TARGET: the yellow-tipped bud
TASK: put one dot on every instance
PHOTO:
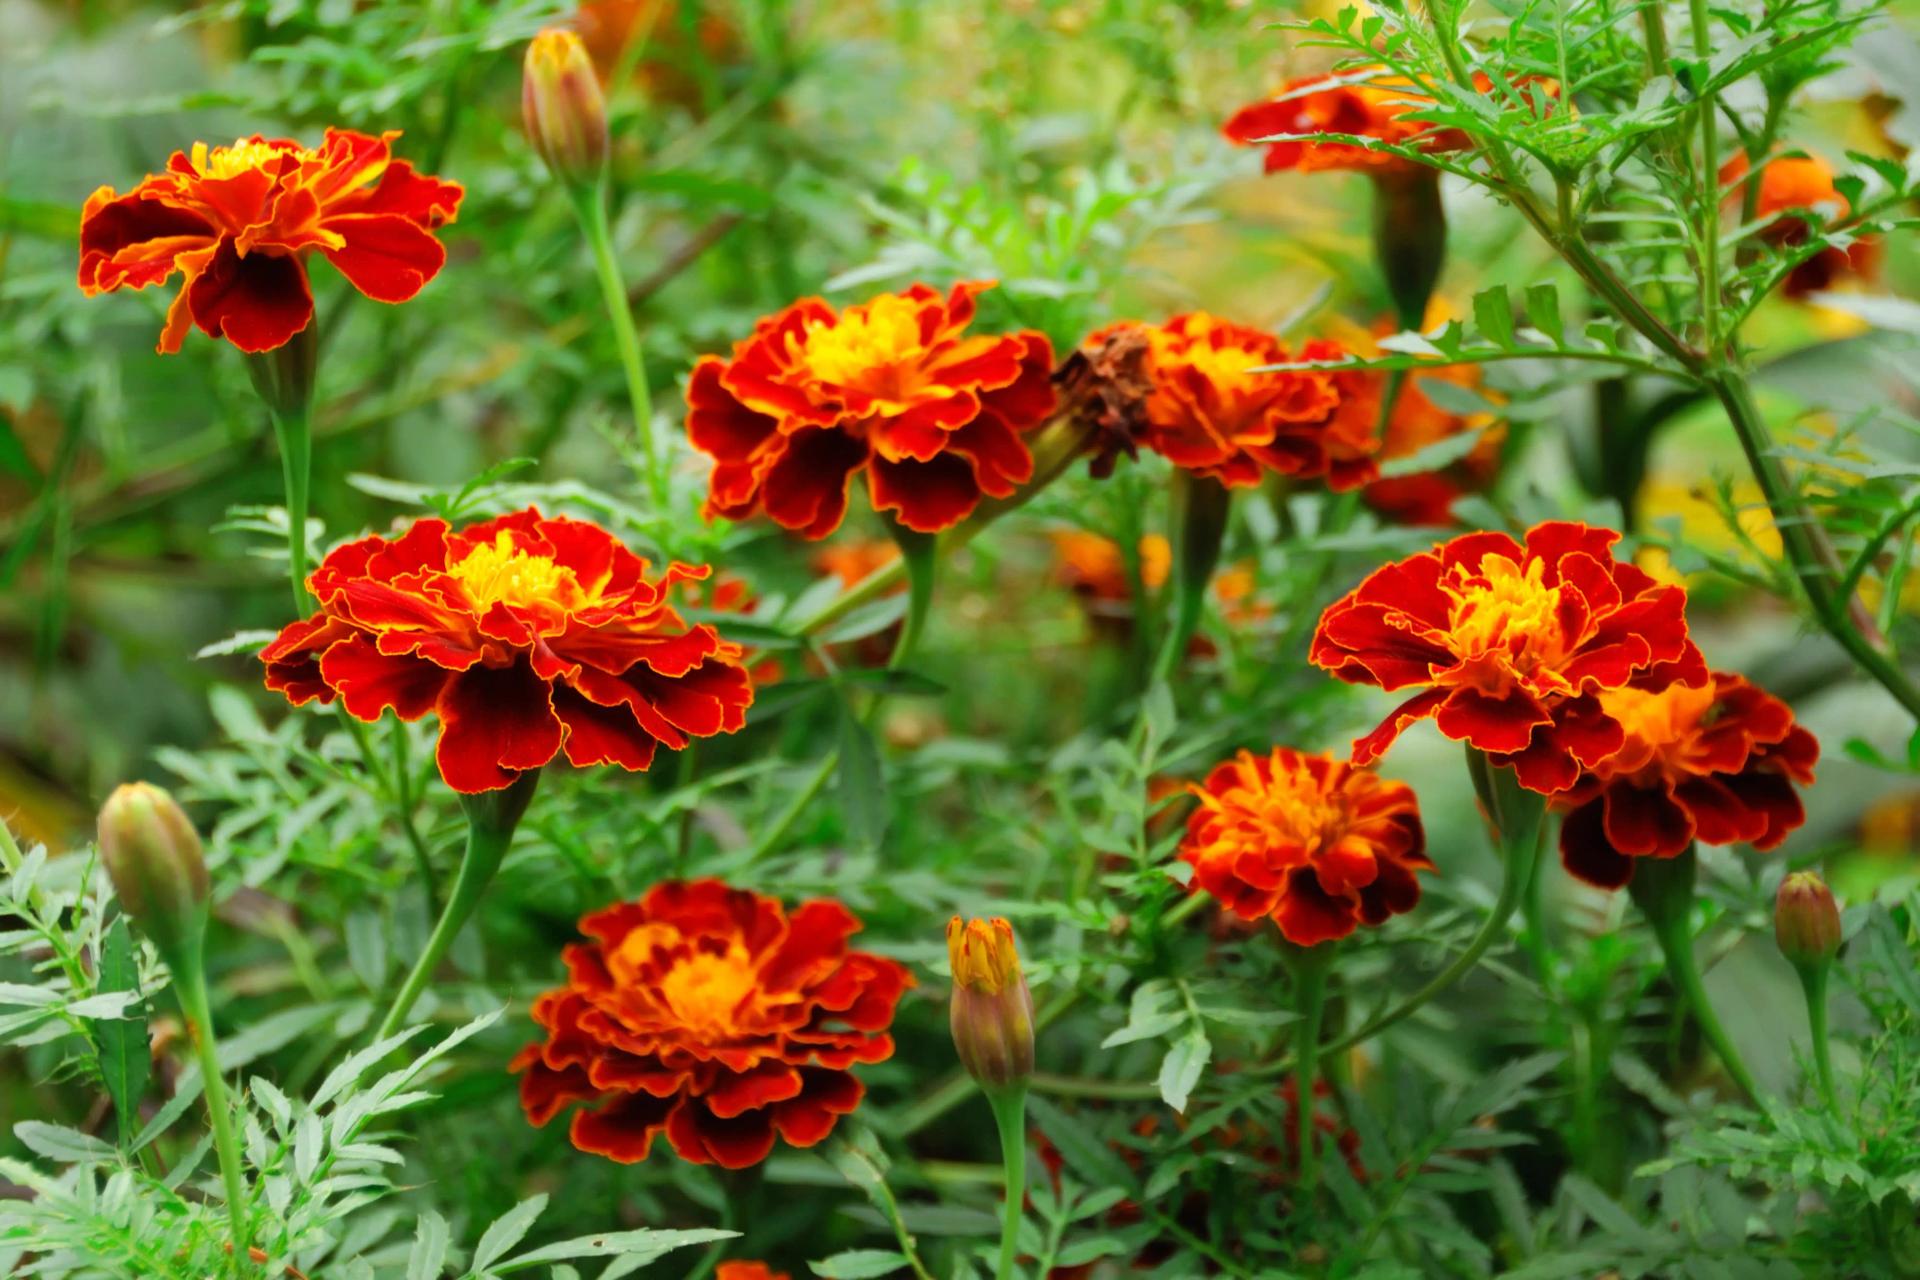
(992, 1011)
(563, 108)
(1806, 920)
(152, 855)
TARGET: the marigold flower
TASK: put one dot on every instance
(1311, 842)
(1715, 762)
(1369, 108)
(713, 1015)
(991, 1013)
(894, 387)
(1511, 646)
(527, 636)
(1789, 183)
(239, 222)
(1208, 411)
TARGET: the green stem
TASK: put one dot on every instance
(1813, 980)
(1010, 1118)
(590, 204)
(1709, 232)
(191, 987)
(491, 819)
(293, 428)
(771, 837)
(1310, 1000)
(920, 552)
(1663, 890)
(403, 808)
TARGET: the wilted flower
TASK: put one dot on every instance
(1715, 762)
(992, 1010)
(153, 856)
(711, 1015)
(1801, 183)
(239, 222)
(894, 387)
(1311, 842)
(1208, 410)
(526, 636)
(1806, 920)
(1511, 646)
(562, 108)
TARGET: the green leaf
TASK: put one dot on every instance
(125, 1059)
(57, 1142)
(1543, 311)
(1180, 1069)
(428, 1257)
(1493, 312)
(636, 1247)
(506, 1232)
(863, 785)
(859, 1264)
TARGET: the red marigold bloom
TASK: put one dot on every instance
(1208, 411)
(1511, 645)
(526, 635)
(894, 387)
(1374, 108)
(238, 224)
(713, 1015)
(1789, 183)
(1715, 762)
(1312, 842)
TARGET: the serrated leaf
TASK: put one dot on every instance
(507, 1231)
(1180, 1070)
(125, 1057)
(1493, 314)
(57, 1142)
(428, 1257)
(636, 1247)
(859, 1264)
(863, 785)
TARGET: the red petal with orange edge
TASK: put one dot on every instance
(1491, 723)
(544, 1091)
(369, 682)
(495, 723)
(602, 735)
(426, 201)
(806, 490)
(623, 1129)
(1371, 747)
(735, 1092)
(257, 303)
(927, 497)
(810, 1118)
(385, 257)
(701, 1137)
(1308, 915)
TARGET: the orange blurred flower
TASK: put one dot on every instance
(1716, 762)
(238, 223)
(608, 26)
(1311, 842)
(852, 559)
(526, 636)
(730, 593)
(1789, 183)
(747, 1271)
(894, 387)
(713, 1015)
(1092, 567)
(1206, 410)
(1368, 108)
(1511, 646)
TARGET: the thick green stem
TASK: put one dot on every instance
(1663, 890)
(1310, 1001)
(492, 817)
(920, 552)
(590, 204)
(190, 984)
(293, 427)
(1010, 1118)
(1709, 232)
(1201, 507)
(1813, 980)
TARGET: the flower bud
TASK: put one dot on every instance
(153, 857)
(563, 108)
(1806, 920)
(992, 1012)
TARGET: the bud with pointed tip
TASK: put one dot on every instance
(1806, 920)
(152, 855)
(563, 108)
(992, 1012)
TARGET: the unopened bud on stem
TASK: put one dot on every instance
(1806, 920)
(564, 110)
(992, 1012)
(152, 855)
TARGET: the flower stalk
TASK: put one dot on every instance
(1310, 965)
(284, 377)
(1201, 507)
(492, 818)
(1010, 1118)
(993, 1033)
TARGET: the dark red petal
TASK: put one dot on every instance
(828, 1095)
(926, 496)
(1585, 852)
(369, 682)
(701, 1137)
(602, 735)
(1309, 915)
(1491, 723)
(495, 723)
(257, 302)
(1643, 822)
(623, 1128)
(806, 490)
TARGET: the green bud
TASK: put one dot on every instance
(1806, 920)
(563, 108)
(992, 1010)
(153, 857)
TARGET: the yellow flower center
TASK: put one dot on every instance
(1293, 809)
(1661, 727)
(982, 954)
(1505, 609)
(706, 991)
(499, 571)
(1228, 368)
(875, 348)
(241, 157)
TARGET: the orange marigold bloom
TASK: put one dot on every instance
(1511, 645)
(238, 223)
(714, 1015)
(1715, 762)
(1367, 109)
(894, 387)
(1789, 183)
(1314, 843)
(527, 636)
(665, 70)
(747, 1271)
(1208, 411)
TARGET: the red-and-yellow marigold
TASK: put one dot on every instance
(1715, 762)
(237, 224)
(1511, 646)
(714, 1016)
(1363, 103)
(895, 387)
(527, 636)
(1315, 843)
(1797, 183)
(1209, 412)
